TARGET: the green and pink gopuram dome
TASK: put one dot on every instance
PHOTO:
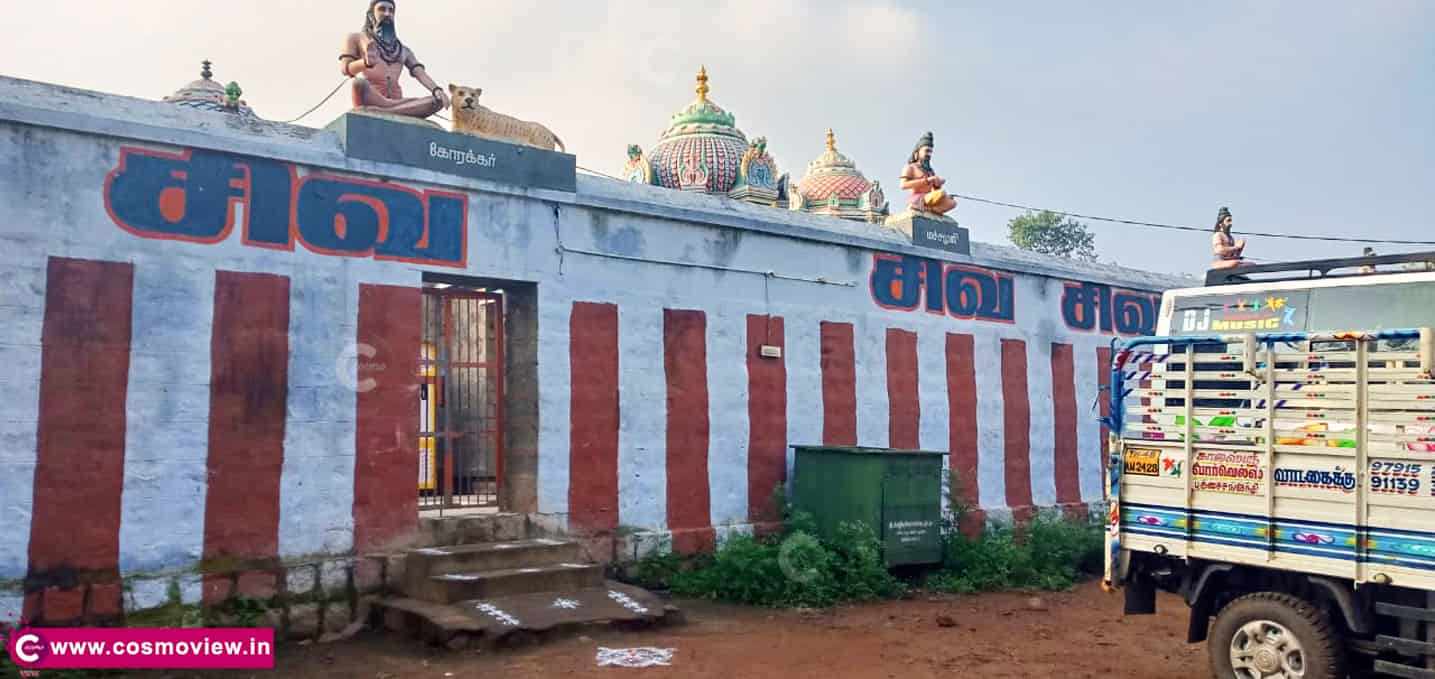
(703, 151)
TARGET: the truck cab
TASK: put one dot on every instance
(1272, 461)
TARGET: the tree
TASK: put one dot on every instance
(1052, 233)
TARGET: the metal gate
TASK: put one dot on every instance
(461, 399)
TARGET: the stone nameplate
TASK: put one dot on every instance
(940, 234)
(419, 144)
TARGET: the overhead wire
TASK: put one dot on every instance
(323, 101)
(600, 174)
(1176, 227)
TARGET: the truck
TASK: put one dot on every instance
(1270, 458)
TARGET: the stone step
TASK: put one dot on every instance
(501, 621)
(422, 564)
(452, 587)
(464, 528)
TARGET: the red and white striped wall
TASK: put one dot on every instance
(163, 416)
(159, 417)
(677, 424)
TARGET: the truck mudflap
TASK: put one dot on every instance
(1139, 597)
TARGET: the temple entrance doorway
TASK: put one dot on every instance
(478, 396)
(461, 397)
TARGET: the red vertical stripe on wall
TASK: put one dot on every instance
(1067, 467)
(248, 396)
(84, 379)
(766, 418)
(839, 385)
(1103, 380)
(593, 418)
(386, 430)
(685, 363)
(905, 419)
(1016, 405)
(962, 408)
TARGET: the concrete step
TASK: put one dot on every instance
(451, 587)
(503, 621)
(422, 564)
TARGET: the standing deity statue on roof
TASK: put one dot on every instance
(376, 59)
(922, 182)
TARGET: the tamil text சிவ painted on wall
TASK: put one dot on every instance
(199, 196)
(906, 283)
(1091, 307)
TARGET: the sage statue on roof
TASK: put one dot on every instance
(1225, 248)
(376, 59)
(922, 182)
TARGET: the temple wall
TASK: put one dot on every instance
(182, 311)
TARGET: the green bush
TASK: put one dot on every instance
(744, 570)
(799, 569)
(794, 569)
(656, 571)
(1050, 553)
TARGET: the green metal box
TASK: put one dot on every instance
(898, 493)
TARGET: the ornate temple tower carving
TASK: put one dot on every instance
(702, 150)
(834, 186)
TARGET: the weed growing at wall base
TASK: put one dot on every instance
(1050, 553)
(796, 570)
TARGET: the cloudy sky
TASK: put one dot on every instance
(1303, 116)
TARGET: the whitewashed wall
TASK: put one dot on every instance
(54, 195)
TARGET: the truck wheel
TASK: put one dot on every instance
(1270, 635)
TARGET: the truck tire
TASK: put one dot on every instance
(1270, 634)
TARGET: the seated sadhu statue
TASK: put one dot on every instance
(376, 59)
(1226, 250)
(924, 184)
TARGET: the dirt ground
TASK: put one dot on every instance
(1072, 635)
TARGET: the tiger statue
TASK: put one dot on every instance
(469, 117)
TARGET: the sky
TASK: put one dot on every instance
(1311, 117)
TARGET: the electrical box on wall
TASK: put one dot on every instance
(769, 351)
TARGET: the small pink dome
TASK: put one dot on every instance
(818, 188)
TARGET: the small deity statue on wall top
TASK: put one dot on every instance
(922, 182)
(375, 58)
